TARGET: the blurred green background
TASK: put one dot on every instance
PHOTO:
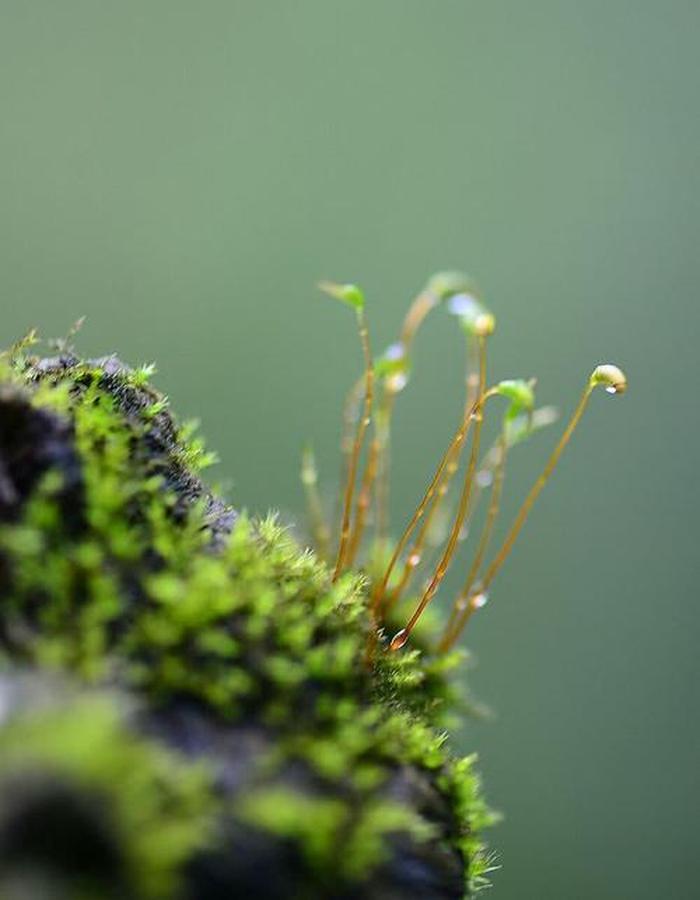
(183, 173)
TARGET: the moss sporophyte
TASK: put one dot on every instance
(226, 710)
(460, 296)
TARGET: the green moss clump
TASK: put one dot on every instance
(119, 567)
(150, 808)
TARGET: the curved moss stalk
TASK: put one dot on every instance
(479, 326)
(615, 382)
(465, 593)
(352, 295)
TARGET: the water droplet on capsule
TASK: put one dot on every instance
(610, 377)
(479, 600)
(413, 560)
(399, 640)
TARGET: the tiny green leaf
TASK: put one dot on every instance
(347, 293)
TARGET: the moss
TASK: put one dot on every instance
(151, 809)
(119, 566)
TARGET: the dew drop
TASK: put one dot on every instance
(367, 421)
(395, 351)
(413, 560)
(611, 389)
(399, 639)
(484, 478)
(463, 305)
(397, 382)
(479, 600)
(461, 604)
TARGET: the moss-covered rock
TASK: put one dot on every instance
(262, 750)
(90, 808)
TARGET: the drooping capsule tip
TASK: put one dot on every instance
(610, 377)
(444, 285)
(520, 392)
(473, 315)
(399, 640)
(484, 325)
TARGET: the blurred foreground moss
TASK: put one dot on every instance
(220, 719)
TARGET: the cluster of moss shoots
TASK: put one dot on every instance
(364, 495)
(261, 629)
